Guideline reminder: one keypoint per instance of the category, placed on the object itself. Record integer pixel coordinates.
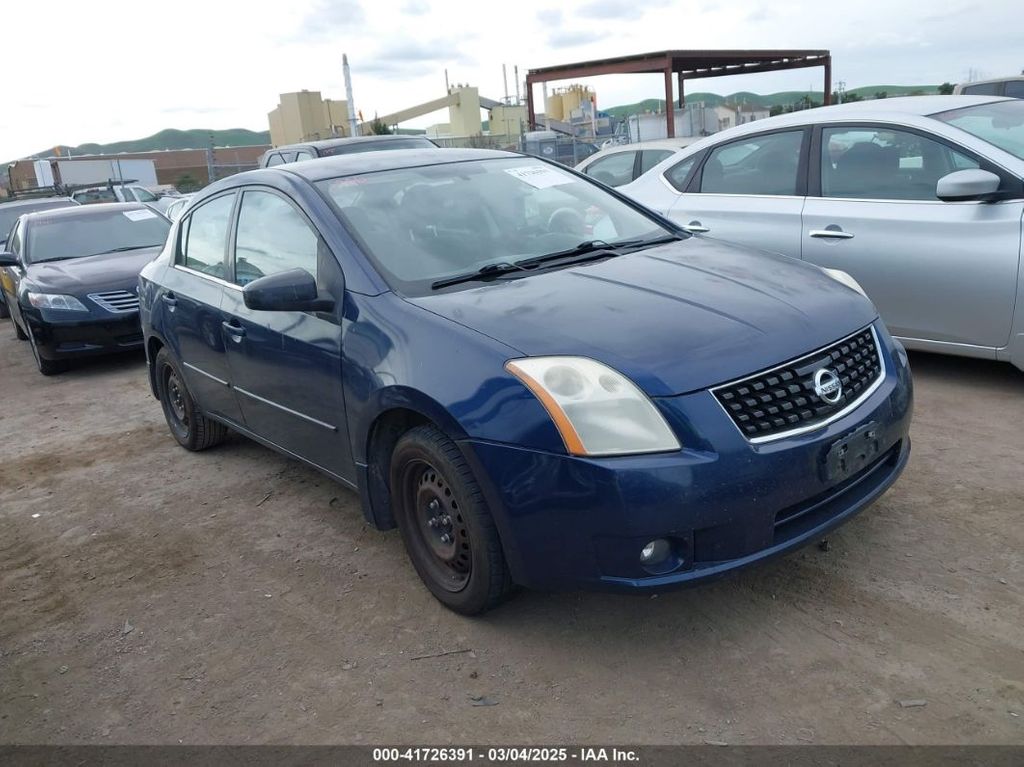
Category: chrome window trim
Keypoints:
(210, 277)
(288, 410)
(819, 424)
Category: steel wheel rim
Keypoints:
(175, 400)
(438, 526)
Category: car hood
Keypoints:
(78, 276)
(674, 318)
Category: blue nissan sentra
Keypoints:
(538, 381)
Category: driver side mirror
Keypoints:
(8, 259)
(973, 185)
(293, 290)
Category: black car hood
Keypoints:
(674, 318)
(80, 276)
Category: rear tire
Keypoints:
(445, 524)
(191, 429)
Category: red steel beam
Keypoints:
(670, 110)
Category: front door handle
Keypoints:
(235, 331)
(831, 232)
(696, 227)
(170, 300)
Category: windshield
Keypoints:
(1000, 123)
(9, 213)
(54, 237)
(423, 225)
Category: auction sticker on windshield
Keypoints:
(139, 215)
(540, 177)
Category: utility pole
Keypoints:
(353, 119)
(210, 173)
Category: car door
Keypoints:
(749, 190)
(193, 292)
(937, 271)
(10, 276)
(286, 366)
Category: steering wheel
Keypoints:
(568, 221)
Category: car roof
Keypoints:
(84, 211)
(372, 162)
(921, 106)
(336, 142)
(35, 201)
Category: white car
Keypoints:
(121, 193)
(920, 199)
(621, 163)
(177, 206)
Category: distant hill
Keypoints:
(197, 138)
(768, 100)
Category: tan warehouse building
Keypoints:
(306, 116)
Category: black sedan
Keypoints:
(70, 279)
(10, 212)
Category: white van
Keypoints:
(1012, 87)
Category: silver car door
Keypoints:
(939, 272)
(749, 191)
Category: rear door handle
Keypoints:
(170, 300)
(235, 331)
(829, 233)
(696, 227)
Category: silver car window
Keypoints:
(765, 164)
(884, 164)
(614, 170)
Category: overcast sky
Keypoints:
(110, 70)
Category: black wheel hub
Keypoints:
(176, 398)
(440, 525)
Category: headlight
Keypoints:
(841, 276)
(596, 410)
(55, 301)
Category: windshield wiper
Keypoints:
(122, 249)
(600, 247)
(488, 271)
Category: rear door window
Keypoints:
(1014, 89)
(651, 157)
(762, 165)
(303, 155)
(205, 235)
(613, 170)
(274, 159)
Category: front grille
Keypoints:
(116, 301)
(776, 402)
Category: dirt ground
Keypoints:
(150, 595)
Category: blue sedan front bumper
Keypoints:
(722, 502)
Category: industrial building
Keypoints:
(307, 116)
(183, 168)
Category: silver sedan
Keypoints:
(920, 199)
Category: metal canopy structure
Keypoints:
(686, 65)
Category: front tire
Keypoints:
(192, 430)
(46, 367)
(445, 524)
(18, 332)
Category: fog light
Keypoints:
(655, 552)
